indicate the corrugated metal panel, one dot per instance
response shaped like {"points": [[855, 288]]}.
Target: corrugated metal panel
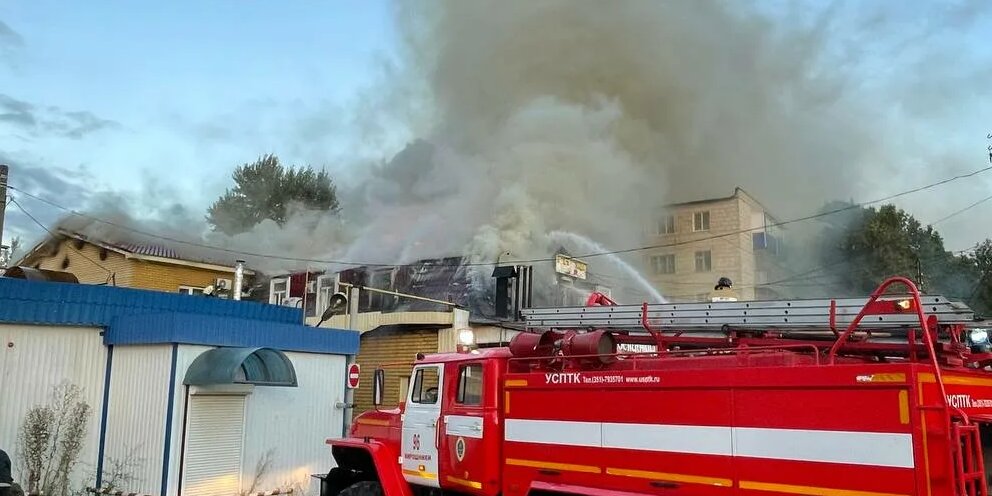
{"points": [[380, 348], [294, 423], [184, 357], [39, 359], [215, 437], [217, 331], [139, 382], [82, 304]]}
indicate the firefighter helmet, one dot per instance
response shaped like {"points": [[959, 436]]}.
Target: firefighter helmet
{"points": [[724, 282]]}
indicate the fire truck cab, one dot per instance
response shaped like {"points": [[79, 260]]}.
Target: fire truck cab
{"points": [[880, 397], [445, 435]]}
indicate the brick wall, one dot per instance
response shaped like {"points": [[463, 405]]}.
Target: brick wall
{"points": [[167, 277], [398, 350], [94, 265], [732, 255], [89, 263]]}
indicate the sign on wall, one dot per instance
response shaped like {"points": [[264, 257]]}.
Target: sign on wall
{"points": [[570, 267], [353, 374]]}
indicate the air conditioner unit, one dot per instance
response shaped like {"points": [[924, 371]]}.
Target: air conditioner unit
{"points": [[222, 283]]}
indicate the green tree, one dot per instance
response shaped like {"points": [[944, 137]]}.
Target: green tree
{"points": [[884, 242], [265, 189], [980, 297], [15, 247]]}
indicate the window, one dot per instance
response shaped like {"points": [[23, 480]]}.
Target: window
{"points": [[704, 261], [666, 224], [278, 291], [404, 388], [190, 290], [470, 384], [663, 264], [425, 386], [325, 289], [701, 221]]}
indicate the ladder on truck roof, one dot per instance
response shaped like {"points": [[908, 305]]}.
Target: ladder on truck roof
{"points": [[799, 315]]}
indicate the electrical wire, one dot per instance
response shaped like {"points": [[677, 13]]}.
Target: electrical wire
{"points": [[965, 209], [550, 259], [50, 233]]}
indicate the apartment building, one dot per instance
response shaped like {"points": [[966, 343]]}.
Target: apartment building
{"points": [[705, 240]]}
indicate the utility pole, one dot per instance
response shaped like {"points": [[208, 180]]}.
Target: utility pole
{"points": [[919, 272], [4, 250], [3, 197]]}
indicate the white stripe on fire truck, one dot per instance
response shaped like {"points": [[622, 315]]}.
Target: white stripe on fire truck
{"points": [[856, 448]]}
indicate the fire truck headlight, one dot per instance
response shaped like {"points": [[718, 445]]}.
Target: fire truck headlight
{"points": [[978, 337], [466, 337]]}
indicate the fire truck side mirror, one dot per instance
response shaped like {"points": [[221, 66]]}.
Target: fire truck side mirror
{"points": [[378, 385]]}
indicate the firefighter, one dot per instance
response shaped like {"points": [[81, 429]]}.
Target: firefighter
{"points": [[6, 481], [723, 291]]}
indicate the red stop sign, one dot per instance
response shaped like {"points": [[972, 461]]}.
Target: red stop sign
{"points": [[353, 374]]}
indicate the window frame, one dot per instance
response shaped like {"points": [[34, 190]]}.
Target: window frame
{"points": [[669, 223], [462, 382], [707, 256], [190, 290], [703, 216], [418, 386], [666, 256], [278, 296]]}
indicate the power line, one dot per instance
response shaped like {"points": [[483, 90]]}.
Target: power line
{"points": [[590, 255], [965, 209], [36, 221], [849, 260]]}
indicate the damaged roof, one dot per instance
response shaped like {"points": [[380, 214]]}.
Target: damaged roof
{"points": [[141, 251], [443, 279]]}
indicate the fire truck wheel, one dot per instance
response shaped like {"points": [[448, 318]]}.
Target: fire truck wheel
{"points": [[364, 488]]}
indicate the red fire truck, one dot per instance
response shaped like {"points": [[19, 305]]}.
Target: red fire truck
{"points": [[879, 396]]}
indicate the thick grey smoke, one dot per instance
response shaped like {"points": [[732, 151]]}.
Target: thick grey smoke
{"points": [[585, 116]]}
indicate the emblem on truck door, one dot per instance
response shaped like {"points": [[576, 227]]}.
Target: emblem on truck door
{"points": [[416, 442], [460, 448]]}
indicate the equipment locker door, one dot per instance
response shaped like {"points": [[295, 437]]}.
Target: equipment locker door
{"points": [[420, 426]]}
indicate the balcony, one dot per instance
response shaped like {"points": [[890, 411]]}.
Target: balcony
{"points": [[766, 242]]}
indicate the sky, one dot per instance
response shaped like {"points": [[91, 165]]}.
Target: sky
{"points": [[117, 95], [157, 103]]}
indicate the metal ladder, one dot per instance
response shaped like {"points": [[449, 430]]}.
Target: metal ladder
{"points": [[799, 315], [968, 463]]}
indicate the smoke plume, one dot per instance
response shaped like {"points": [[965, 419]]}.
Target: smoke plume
{"points": [[584, 116]]}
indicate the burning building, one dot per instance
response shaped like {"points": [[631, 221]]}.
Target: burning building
{"points": [[440, 284], [424, 306]]}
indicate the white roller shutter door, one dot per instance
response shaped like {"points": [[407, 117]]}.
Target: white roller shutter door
{"points": [[215, 437]]}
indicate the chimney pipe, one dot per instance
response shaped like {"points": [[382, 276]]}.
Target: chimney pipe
{"points": [[239, 277]]}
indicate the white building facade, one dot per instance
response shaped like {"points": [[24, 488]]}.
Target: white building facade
{"points": [[188, 395]]}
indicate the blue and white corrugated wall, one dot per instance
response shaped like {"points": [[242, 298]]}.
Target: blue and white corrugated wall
{"points": [[129, 350]]}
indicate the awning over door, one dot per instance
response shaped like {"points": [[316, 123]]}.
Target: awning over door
{"points": [[259, 366]]}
